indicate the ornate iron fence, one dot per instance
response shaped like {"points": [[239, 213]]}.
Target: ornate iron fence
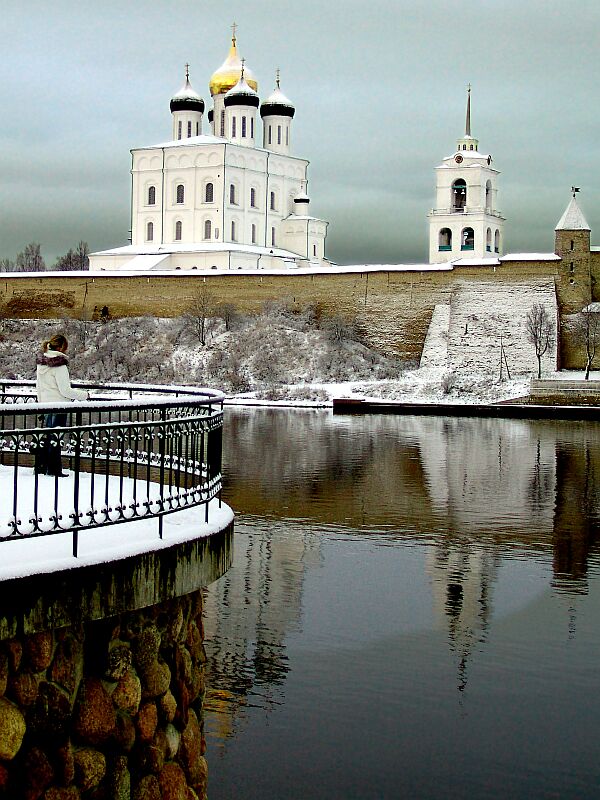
{"points": [[134, 452]]}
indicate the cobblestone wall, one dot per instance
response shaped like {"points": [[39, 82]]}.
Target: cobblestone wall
{"points": [[110, 710]]}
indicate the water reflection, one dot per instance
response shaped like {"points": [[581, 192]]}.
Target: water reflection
{"points": [[425, 514]]}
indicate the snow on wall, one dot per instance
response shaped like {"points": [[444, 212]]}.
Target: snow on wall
{"points": [[435, 349], [481, 315]]}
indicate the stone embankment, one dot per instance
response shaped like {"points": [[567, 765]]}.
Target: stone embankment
{"points": [[109, 710]]}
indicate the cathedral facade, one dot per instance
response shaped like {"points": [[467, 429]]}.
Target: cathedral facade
{"points": [[226, 195]]}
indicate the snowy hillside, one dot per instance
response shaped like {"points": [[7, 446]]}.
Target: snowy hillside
{"points": [[278, 355]]}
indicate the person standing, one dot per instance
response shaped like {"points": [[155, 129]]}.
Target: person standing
{"points": [[53, 385]]}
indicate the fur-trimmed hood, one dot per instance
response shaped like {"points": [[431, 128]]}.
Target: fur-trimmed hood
{"points": [[51, 358]]}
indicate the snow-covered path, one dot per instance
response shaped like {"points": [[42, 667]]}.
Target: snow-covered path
{"points": [[24, 555]]}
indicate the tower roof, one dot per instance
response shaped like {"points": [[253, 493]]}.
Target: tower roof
{"points": [[186, 99], [277, 104], [230, 71], [572, 219], [242, 94]]}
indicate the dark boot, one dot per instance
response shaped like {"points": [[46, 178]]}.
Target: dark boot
{"points": [[39, 460], [53, 458]]}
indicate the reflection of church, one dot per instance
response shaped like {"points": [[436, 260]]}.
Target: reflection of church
{"points": [[248, 614], [234, 197], [528, 478], [463, 576]]}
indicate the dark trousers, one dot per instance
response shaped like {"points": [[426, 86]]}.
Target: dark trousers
{"points": [[47, 458]]}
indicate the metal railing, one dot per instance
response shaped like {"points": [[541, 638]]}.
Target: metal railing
{"points": [[134, 452]]}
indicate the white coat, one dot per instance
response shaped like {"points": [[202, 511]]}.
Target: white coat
{"points": [[52, 383]]}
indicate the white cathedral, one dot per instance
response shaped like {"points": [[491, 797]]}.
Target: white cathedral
{"points": [[221, 200]]}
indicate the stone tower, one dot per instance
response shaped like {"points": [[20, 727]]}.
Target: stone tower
{"points": [[572, 244]]}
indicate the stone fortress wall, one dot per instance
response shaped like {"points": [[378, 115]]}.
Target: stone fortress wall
{"points": [[391, 307]]}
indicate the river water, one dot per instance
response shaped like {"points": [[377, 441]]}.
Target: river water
{"points": [[412, 611]]}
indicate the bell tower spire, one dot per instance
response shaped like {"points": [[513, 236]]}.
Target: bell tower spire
{"points": [[468, 121], [468, 142]]}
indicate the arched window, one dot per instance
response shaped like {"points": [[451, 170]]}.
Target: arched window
{"points": [[488, 195], [209, 193], [287, 137], [272, 204], [488, 240], [233, 127], [233, 230], [272, 237], [197, 129], [470, 147], [243, 127], [207, 229], [253, 233], [445, 239], [467, 239], [252, 127], [497, 241], [180, 193], [149, 231], [179, 129], [279, 134], [253, 197], [189, 129], [222, 129], [152, 196], [269, 134], [459, 194], [232, 194], [178, 230]]}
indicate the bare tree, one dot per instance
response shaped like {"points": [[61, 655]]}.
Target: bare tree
{"points": [[339, 328], [76, 259], [539, 327], [6, 265], [588, 331], [227, 313], [200, 310], [31, 259]]}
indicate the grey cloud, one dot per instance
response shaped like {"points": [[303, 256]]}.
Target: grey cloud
{"points": [[379, 90]]}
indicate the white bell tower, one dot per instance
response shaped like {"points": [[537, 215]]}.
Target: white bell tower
{"points": [[466, 222]]}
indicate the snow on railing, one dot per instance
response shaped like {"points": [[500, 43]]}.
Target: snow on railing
{"points": [[134, 451]]}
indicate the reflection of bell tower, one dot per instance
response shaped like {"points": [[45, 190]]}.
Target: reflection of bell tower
{"points": [[465, 222], [463, 577]]}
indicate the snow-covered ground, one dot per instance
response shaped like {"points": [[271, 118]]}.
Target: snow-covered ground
{"points": [[292, 358], [25, 555]]}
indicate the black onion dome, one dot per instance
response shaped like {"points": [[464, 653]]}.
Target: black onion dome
{"points": [[277, 105], [241, 95], [187, 99]]}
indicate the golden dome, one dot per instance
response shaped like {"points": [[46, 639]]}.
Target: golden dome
{"points": [[229, 73]]}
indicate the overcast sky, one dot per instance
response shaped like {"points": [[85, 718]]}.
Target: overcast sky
{"points": [[379, 89]]}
